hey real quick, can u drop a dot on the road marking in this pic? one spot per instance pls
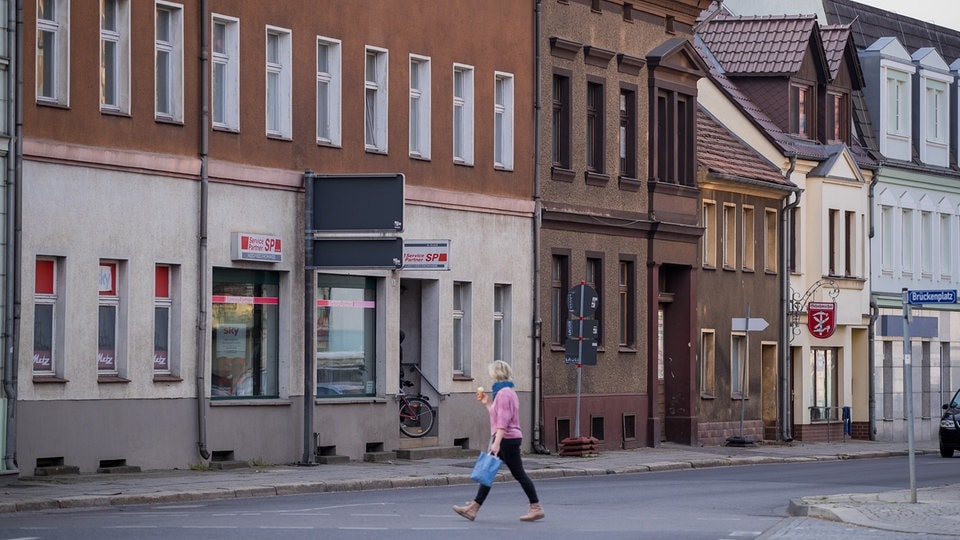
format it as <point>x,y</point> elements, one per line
<point>751,534</point>
<point>363,528</point>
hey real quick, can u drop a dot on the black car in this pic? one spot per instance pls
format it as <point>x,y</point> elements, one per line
<point>949,427</point>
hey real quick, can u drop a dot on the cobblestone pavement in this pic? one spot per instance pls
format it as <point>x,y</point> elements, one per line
<point>847,516</point>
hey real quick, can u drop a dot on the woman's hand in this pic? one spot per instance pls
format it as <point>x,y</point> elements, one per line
<point>483,398</point>
<point>495,448</point>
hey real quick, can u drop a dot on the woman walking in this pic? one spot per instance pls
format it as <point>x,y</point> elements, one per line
<point>504,409</point>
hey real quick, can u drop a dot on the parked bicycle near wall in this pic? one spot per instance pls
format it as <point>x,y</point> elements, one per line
<point>416,413</point>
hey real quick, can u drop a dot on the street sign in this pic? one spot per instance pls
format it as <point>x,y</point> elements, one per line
<point>946,296</point>
<point>582,301</point>
<point>752,324</point>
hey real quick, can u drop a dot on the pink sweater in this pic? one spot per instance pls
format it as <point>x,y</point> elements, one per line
<point>505,414</point>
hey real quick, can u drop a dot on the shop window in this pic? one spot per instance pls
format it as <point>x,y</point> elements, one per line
<point>45,319</point>
<point>346,336</point>
<point>165,328</point>
<point>823,365</point>
<point>245,350</point>
<point>109,322</point>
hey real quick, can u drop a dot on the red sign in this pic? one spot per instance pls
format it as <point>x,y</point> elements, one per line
<point>822,319</point>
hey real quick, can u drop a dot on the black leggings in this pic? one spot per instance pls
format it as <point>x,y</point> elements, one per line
<point>510,455</point>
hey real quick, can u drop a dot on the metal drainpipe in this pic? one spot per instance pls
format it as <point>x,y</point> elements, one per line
<point>871,329</point>
<point>202,238</point>
<point>784,367</point>
<point>537,322</point>
<point>14,226</point>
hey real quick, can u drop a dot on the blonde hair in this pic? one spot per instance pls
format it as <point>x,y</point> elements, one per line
<point>500,370</point>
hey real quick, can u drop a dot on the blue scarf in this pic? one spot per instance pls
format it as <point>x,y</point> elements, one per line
<point>499,385</point>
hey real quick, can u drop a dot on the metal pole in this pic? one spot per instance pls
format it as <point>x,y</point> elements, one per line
<point>309,324</point>
<point>576,431</point>
<point>743,370</point>
<point>908,390</point>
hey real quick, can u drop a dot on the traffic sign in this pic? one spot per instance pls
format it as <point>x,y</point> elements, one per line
<point>946,296</point>
<point>752,324</point>
<point>582,301</point>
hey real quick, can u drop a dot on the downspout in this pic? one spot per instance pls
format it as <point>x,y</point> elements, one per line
<point>202,237</point>
<point>872,328</point>
<point>537,341</point>
<point>14,226</point>
<point>784,367</point>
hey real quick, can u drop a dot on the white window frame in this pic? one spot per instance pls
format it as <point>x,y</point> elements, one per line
<point>898,103</point>
<point>115,60</point>
<point>461,328</point>
<point>54,65</point>
<point>926,244</point>
<point>710,233</point>
<point>420,105</point>
<point>935,118</point>
<point>463,111</point>
<point>225,59</point>
<point>771,241</point>
<point>708,366</point>
<point>503,121</point>
<point>278,102</point>
<point>53,300</point>
<point>501,322</point>
<point>906,241</point>
<point>748,246</point>
<point>112,300</point>
<point>329,91</point>
<point>947,247</point>
<point>729,236</point>
<point>738,357</point>
<point>168,96</point>
<point>887,239</point>
<point>170,304</point>
<point>375,100</point>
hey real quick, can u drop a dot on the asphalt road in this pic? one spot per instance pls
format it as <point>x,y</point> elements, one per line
<point>714,503</point>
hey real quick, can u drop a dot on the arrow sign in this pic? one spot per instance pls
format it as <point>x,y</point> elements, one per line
<point>752,324</point>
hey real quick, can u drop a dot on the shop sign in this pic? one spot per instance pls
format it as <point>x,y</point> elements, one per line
<point>822,319</point>
<point>426,255</point>
<point>255,247</point>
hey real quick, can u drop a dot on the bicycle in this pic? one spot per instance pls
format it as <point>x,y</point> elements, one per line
<point>416,413</point>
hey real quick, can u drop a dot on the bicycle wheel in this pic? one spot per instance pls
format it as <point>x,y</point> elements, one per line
<point>416,417</point>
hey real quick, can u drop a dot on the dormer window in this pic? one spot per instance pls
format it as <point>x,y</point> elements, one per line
<point>801,110</point>
<point>838,118</point>
<point>898,103</point>
<point>935,120</point>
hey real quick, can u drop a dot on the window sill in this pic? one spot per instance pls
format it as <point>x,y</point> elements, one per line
<point>462,378</point>
<point>49,379</point>
<point>738,397</point>
<point>502,168</point>
<point>250,402</point>
<point>227,129</point>
<point>562,175</point>
<point>707,397</point>
<point>329,144</point>
<point>168,121</point>
<point>114,112</point>
<point>111,379</point>
<point>279,137</point>
<point>626,350</point>
<point>417,157</point>
<point>462,163</point>
<point>630,184</point>
<point>596,179</point>
<point>347,401</point>
<point>166,378</point>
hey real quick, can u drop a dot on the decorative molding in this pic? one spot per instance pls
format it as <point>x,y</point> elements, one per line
<point>563,48</point>
<point>595,56</point>
<point>631,65</point>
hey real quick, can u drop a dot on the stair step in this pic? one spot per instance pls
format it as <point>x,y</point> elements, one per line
<point>379,457</point>
<point>226,465</point>
<point>333,460</point>
<point>428,452</point>
<point>55,470</point>
<point>119,469</point>
<point>419,442</point>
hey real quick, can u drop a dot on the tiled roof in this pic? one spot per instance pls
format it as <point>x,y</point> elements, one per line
<point>870,24</point>
<point>834,39</point>
<point>721,152</point>
<point>760,45</point>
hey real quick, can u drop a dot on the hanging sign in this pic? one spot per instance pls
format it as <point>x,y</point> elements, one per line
<point>822,319</point>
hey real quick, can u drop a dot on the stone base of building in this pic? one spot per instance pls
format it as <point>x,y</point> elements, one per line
<point>829,432</point>
<point>717,433</point>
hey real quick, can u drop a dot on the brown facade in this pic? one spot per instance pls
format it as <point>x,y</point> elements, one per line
<point>623,222</point>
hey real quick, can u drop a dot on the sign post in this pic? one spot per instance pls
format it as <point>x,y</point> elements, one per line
<point>746,325</point>
<point>581,303</point>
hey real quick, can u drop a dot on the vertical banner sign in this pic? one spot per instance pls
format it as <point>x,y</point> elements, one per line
<point>822,319</point>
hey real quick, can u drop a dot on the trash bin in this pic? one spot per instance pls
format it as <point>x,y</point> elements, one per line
<point>847,421</point>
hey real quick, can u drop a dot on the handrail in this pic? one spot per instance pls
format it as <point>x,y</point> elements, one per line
<point>416,368</point>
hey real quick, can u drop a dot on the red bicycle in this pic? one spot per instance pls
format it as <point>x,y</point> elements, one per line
<point>416,413</point>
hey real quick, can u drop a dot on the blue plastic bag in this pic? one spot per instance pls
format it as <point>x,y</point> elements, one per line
<point>485,469</point>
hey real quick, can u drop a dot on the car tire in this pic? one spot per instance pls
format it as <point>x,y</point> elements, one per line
<point>946,452</point>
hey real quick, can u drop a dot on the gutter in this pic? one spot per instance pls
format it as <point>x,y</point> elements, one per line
<point>537,342</point>
<point>202,237</point>
<point>12,234</point>
<point>783,369</point>
<point>872,327</point>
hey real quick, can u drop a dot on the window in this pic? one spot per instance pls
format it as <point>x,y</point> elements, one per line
<point>937,112</point>
<point>328,91</point>
<point>833,241</point>
<point>501,323</point>
<point>935,119</point>
<point>926,244</point>
<point>838,121</point>
<point>672,158</point>
<point>346,336</point>
<point>375,100</point>
<point>739,367</point>
<point>561,121</point>
<point>850,243</point>
<point>461,328</point>
<point>279,68</point>
<point>594,278</point>
<point>625,290</point>
<point>628,129</point>
<point>463,114</point>
<point>46,318</point>
<point>749,239</point>
<point>709,234</point>
<point>708,376</point>
<point>225,67</point>
<point>169,62</point>
<point>729,236</point>
<point>420,133</point>
<point>801,109</point>
<point>109,320</point>
<point>165,332</point>
<point>823,366</point>
<point>503,121</point>
<point>947,248</point>
<point>246,321</point>
<point>114,56</point>
<point>887,238</point>
<point>53,39</point>
<point>906,241</point>
<point>559,284</point>
<point>771,242</point>
<point>898,103</point>
<point>794,235</point>
<point>594,128</point>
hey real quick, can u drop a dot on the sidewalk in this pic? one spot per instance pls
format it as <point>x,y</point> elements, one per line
<point>934,513</point>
